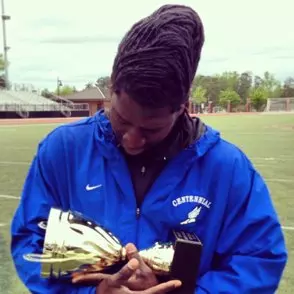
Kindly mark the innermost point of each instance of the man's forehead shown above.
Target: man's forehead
(128, 108)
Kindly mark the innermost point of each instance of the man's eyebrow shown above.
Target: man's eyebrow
(120, 116)
(151, 129)
(156, 127)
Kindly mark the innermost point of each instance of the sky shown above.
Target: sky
(78, 42)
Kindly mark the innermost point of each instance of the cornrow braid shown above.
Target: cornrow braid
(158, 57)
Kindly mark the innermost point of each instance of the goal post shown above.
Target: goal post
(280, 104)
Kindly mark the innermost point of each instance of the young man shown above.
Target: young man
(141, 169)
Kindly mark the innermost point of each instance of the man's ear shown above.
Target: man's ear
(112, 96)
(182, 109)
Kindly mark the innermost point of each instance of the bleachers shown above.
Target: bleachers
(7, 98)
(30, 103)
(31, 98)
(23, 98)
(22, 101)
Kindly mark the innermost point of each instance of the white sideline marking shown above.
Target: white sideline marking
(288, 228)
(17, 148)
(279, 180)
(3, 225)
(15, 162)
(30, 125)
(9, 197)
(282, 158)
(256, 133)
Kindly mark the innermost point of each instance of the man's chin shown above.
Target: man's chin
(131, 151)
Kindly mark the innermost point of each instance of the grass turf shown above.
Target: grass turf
(268, 140)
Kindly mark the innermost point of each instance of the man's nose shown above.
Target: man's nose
(134, 139)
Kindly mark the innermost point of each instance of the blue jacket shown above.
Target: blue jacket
(236, 220)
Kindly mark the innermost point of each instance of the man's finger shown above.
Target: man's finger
(163, 288)
(89, 277)
(122, 276)
(132, 252)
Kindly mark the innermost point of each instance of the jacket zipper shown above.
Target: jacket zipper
(138, 212)
(138, 209)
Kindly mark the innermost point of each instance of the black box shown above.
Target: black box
(186, 261)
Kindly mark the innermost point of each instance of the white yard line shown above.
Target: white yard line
(288, 228)
(14, 162)
(9, 197)
(282, 158)
(279, 180)
(264, 158)
(17, 148)
(13, 126)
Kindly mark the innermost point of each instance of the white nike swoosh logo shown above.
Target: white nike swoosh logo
(90, 188)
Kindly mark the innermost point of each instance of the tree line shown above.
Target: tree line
(230, 86)
(237, 88)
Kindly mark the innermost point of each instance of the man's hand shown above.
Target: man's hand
(116, 283)
(143, 278)
(129, 280)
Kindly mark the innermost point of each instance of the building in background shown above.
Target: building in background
(93, 96)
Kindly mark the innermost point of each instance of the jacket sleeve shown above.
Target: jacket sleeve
(251, 254)
(40, 192)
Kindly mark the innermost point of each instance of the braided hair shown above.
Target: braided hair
(158, 57)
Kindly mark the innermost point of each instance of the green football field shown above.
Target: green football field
(267, 139)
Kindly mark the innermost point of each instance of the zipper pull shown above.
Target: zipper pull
(138, 212)
(143, 170)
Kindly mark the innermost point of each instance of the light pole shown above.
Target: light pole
(59, 84)
(5, 47)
